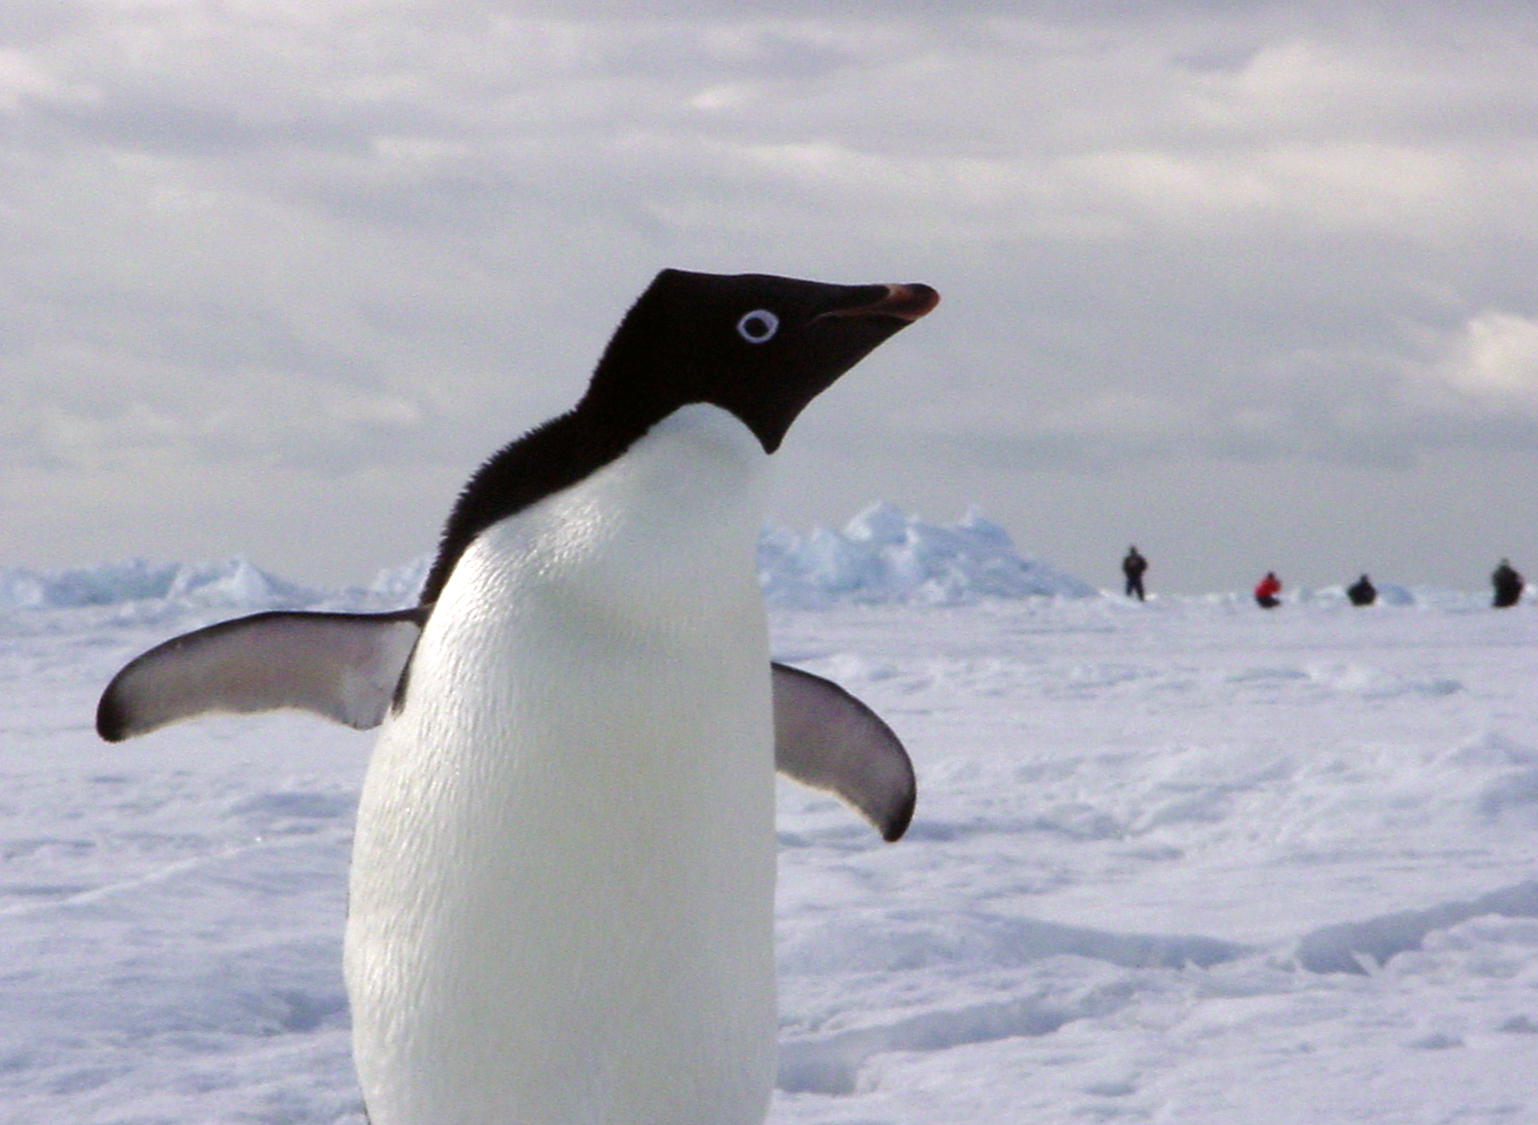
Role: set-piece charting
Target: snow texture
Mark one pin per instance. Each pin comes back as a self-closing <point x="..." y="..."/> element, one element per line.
<point x="1175" y="861"/>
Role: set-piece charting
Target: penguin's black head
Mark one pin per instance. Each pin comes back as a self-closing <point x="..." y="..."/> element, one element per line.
<point x="761" y="347"/>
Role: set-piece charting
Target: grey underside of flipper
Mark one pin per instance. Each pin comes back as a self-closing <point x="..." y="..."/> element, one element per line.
<point x="343" y="666"/>
<point x="346" y="667"/>
<point x="827" y="739"/>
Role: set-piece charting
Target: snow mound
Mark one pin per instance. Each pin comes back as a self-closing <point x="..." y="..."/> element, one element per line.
<point x="398" y="586"/>
<point x="233" y="583"/>
<point x="884" y="555"/>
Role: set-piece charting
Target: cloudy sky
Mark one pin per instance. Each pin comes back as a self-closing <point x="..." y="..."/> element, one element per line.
<point x="1254" y="286"/>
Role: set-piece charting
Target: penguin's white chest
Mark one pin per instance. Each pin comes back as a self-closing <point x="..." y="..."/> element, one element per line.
<point x="561" y="898"/>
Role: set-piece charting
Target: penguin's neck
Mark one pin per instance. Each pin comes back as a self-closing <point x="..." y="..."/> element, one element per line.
<point x="560" y="453"/>
<point x="663" y="530"/>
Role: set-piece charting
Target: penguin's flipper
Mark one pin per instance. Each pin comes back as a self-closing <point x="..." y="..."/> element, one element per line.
<point x="343" y="666"/>
<point x="827" y="739"/>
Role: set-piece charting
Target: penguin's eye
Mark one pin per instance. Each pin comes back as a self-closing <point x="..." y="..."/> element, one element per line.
<point x="758" y="326"/>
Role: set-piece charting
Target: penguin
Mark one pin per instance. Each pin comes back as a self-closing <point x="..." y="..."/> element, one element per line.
<point x="561" y="890"/>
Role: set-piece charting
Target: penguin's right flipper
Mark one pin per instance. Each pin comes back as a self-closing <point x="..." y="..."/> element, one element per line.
<point x="343" y="666"/>
<point x="827" y="739"/>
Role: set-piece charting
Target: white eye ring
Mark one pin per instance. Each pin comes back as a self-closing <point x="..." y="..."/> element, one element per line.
<point x="758" y="326"/>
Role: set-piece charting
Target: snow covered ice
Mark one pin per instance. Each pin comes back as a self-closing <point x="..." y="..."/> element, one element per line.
<point x="1182" y="861"/>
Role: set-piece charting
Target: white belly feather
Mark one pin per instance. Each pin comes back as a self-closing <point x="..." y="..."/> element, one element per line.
<point x="561" y="900"/>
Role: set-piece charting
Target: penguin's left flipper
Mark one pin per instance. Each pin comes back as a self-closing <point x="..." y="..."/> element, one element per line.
<point x="343" y="666"/>
<point x="827" y="739"/>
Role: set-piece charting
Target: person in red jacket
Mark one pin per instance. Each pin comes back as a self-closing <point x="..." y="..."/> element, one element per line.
<point x="1267" y="589"/>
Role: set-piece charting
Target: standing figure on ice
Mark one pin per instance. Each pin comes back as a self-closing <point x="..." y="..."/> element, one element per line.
<point x="1267" y="589"/>
<point x="1508" y="585"/>
<point x="1133" y="567"/>
<point x="561" y="901"/>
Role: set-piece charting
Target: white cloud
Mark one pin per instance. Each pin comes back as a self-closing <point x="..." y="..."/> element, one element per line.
<point x="1490" y="365"/>
<point x="24" y="78"/>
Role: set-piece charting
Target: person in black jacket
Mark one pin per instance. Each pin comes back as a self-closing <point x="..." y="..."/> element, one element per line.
<point x="1362" y="591"/>
<point x="1508" y="585"/>
<point x="1133" y="566"/>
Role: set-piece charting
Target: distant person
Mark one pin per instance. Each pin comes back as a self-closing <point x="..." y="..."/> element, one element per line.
<point x="1508" y="585"/>
<point x="1362" y="591"/>
<point x="1267" y="589"/>
<point x="1133" y="566"/>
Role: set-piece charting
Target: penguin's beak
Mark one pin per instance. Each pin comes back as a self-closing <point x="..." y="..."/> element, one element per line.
<point x="900" y="302"/>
